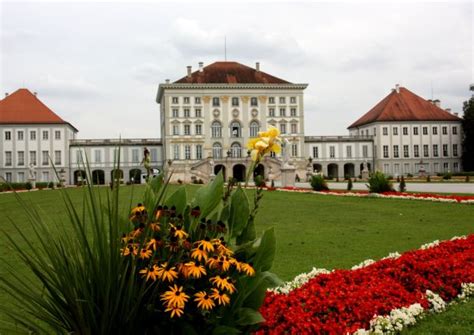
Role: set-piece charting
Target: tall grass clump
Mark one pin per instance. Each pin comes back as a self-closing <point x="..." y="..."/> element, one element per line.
<point x="318" y="183"/>
<point x="378" y="183"/>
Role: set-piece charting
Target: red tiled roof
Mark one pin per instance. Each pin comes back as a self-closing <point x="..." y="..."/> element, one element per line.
<point x="230" y="73"/>
<point x="23" y="107"/>
<point x="404" y="106"/>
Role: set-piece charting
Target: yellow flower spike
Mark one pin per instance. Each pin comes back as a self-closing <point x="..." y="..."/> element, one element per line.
<point x="204" y="301"/>
<point x="251" y="143"/>
<point x="175" y="297"/>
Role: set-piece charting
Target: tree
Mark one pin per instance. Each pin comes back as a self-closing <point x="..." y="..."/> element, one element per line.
<point x="468" y="135"/>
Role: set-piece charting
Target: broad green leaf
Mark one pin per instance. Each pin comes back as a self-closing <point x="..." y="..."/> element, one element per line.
<point x="225" y="212"/>
<point x="178" y="199"/>
<point x="266" y="251"/>
<point x="239" y="212"/>
<point x="225" y="330"/>
<point x="255" y="298"/>
<point x="209" y="196"/>
<point x="248" y="316"/>
<point x="248" y="234"/>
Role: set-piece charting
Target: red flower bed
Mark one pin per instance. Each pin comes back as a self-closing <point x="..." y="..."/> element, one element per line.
<point x="458" y="198"/>
<point x="345" y="300"/>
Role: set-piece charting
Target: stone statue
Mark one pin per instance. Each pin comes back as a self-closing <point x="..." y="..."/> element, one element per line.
<point x="284" y="151"/>
<point x="365" y="171"/>
<point x="31" y="172"/>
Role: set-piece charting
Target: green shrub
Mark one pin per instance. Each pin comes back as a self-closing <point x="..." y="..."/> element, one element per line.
<point x="28" y="186"/>
<point x="378" y="183"/>
<point x="428" y="179"/>
<point x="402" y="187"/>
<point x="409" y="175"/>
<point x="447" y="176"/>
<point x="259" y="181"/>
<point x="468" y="179"/>
<point x="349" y="184"/>
<point x="318" y="183"/>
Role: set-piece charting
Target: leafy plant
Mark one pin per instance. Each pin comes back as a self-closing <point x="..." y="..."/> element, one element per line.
<point x="447" y="176"/>
<point x="428" y="178"/>
<point x="402" y="187"/>
<point x="318" y="183"/>
<point x="378" y="183"/>
<point x="349" y="184"/>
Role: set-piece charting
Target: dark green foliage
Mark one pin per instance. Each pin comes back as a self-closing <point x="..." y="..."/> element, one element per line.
<point x="28" y="186"/>
<point x="349" y="184"/>
<point x="318" y="183"/>
<point x="428" y="179"/>
<point x="468" y="135"/>
<point x="402" y="187"/>
<point x="259" y="181"/>
<point x="378" y="183"/>
<point x="447" y="176"/>
<point x="468" y="179"/>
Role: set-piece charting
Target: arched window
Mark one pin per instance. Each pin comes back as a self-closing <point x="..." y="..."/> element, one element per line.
<point x="216" y="150"/>
<point x="216" y="129"/>
<point x="235" y="129"/>
<point x="254" y="129"/>
<point x="236" y="150"/>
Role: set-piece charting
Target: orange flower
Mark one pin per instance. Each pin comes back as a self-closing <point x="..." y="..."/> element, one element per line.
<point x="223" y="283"/>
<point x="167" y="273"/>
<point x="175" y="311"/>
<point x="194" y="270"/>
<point x="206" y="245"/>
<point x="199" y="254"/>
<point x="150" y="273"/>
<point x="145" y="253"/>
<point x="247" y="269"/>
<point x="175" y="297"/>
<point x="204" y="301"/>
<point x="221" y="298"/>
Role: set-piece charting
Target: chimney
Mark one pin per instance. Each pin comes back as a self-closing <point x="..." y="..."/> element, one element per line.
<point x="397" y="88"/>
<point x="456" y="114"/>
<point x="189" y="70"/>
<point x="257" y="66"/>
<point x="35" y="93"/>
<point x="167" y="81"/>
<point x="437" y="103"/>
<point x="448" y="110"/>
<point x="6" y="94"/>
<point x="201" y="64"/>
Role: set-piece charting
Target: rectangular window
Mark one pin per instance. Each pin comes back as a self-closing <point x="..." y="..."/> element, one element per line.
<point x="456" y="166"/>
<point x="375" y="131"/>
<point x="332" y="152"/>
<point x="186" y="112"/>
<point x="395" y="130"/>
<point x="395" y="151"/>
<point x="446" y="167"/>
<point x="45" y="157"/>
<point x="57" y="134"/>
<point x="294" y="150"/>
<point x="348" y="151"/>
<point x="445" y="130"/>
<point x="271" y="112"/>
<point x="293" y="111"/>
<point x="425" y="150"/>
<point x="416" y="150"/>
<point x="135" y="156"/>
<point x="21" y="158"/>
<point x="445" y="150"/>
<point x="175" y="129"/>
<point x="253" y="101"/>
<point x="175" y="112"/>
<point x="174" y="100"/>
<point x="198" y="151"/>
<point x="425" y="130"/>
<point x="57" y="157"/>
<point x="186" y="100"/>
<point x="8" y="158"/>
<point x="415" y="130"/>
<point x="187" y="152"/>
<point x="435" y="130"/>
<point x="198" y="129"/>
<point x="282" y="100"/>
<point x="455" y="130"/>
<point x="20" y="135"/>
<point x="435" y="150"/>
<point x="79" y="157"/>
<point x="197" y="112"/>
<point x="283" y="128"/>
<point x="216" y="102"/>
<point x="235" y="101"/>
<point x="315" y="152"/>
<point x="8" y="177"/>
<point x="282" y="112"/>
<point x="294" y="128"/>
<point x="365" y="151"/>
<point x="33" y="157"/>
<point x="455" y="150"/>
<point x="271" y="100"/>
<point x="293" y="100"/>
<point x="385" y="131"/>
<point x="154" y="154"/>
<point x="32" y="135"/>
<point x="187" y="129"/>
<point x="406" y="153"/>
<point x="176" y="151"/>
<point x="21" y="177"/>
<point x="8" y="136"/>
<point x="45" y="134"/>
<point x="405" y="130"/>
<point x="197" y="100"/>
<point x="45" y="176"/>
<point x="97" y="156"/>
<point x="385" y="151"/>
<point x="406" y="168"/>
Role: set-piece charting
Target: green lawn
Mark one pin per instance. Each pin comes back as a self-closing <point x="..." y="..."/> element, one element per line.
<point x="314" y="231"/>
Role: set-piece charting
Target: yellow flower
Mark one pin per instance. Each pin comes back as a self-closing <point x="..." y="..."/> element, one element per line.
<point x="150" y="273"/>
<point x="178" y="232"/>
<point x="223" y="283"/>
<point x="130" y="249"/>
<point x="204" y="301"/>
<point x="199" y="254"/>
<point x="223" y="250"/>
<point x="213" y="262"/>
<point x="266" y="142"/>
<point x="166" y="273"/>
<point x="206" y="245"/>
<point x="145" y="253"/>
<point x="196" y="271"/>
<point x="175" y="311"/>
<point x="247" y="268"/>
<point x="154" y="244"/>
<point x="221" y="298"/>
<point x="175" y="297"/>
<point x="155" y="226"/>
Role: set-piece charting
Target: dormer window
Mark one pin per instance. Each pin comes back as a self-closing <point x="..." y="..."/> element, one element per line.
<point x="216" y="102"/>
<point x="235" y="101"/>
<point x="253" y="101"/>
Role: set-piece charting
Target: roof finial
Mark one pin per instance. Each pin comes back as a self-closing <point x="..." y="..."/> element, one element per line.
<point x="397" y="88"/>
<point x="225" y="48"/>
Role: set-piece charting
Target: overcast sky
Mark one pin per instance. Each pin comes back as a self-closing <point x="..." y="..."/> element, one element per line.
<point x="98" y="65"/>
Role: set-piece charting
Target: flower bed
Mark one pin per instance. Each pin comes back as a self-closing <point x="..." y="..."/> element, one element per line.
<point x="463" y="199"/>
<point x="384" y="295"/>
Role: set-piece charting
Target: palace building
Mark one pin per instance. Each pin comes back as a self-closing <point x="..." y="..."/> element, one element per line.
<point x="208" y="116"/>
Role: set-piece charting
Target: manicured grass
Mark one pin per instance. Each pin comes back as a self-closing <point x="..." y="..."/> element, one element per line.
<point x="312" y="231"/>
